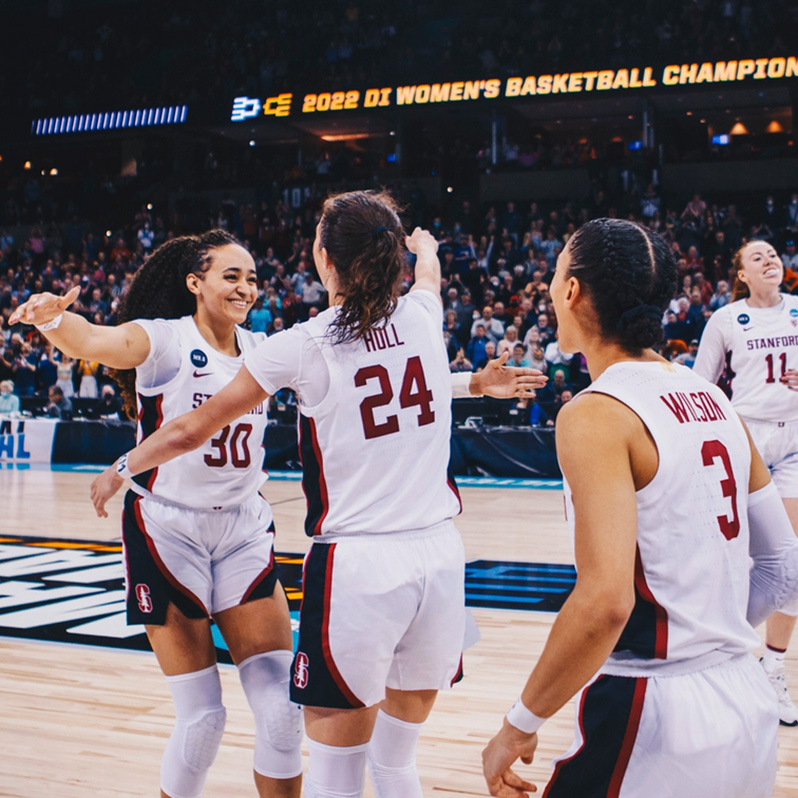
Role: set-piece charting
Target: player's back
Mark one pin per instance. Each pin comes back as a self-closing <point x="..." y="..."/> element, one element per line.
<point x="691" y="570"/>
<point x="375" y="451"/>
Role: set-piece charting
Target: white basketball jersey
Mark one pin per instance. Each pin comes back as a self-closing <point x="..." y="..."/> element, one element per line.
<point x="375" y="450"/>
<point x="756" y="346"/>
<point x="228" y="469"/>
<point x="691" y="568"/>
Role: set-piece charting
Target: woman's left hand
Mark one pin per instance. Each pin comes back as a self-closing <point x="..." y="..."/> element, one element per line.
<point x="103" y="488"/>
<point x="790" y="379"/>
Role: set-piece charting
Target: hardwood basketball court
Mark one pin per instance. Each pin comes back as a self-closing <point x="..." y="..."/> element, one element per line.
<point x="80" y="720"/>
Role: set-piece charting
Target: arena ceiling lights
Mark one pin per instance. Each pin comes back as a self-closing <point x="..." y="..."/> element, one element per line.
<point x="110" y="120"/>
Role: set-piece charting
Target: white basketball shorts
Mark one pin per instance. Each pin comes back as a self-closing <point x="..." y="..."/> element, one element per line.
<point x="705" y="734"/>
<point x="380" y="610"/>
<point x="203" y="561"/>
<point x="777" y="442"/>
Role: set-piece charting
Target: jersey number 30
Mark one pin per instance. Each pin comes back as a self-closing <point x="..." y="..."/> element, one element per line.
<point x="711" y="451"/>
<point x="414" y="391"/>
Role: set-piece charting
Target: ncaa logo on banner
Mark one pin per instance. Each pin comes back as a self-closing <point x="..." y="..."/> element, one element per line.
<point x="301" y="670"/>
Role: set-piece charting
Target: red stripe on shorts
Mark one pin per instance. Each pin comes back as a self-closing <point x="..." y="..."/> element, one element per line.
<point x="159" y="562"/>
<point x="628" y="739"/>
<point x="325" y="634"/>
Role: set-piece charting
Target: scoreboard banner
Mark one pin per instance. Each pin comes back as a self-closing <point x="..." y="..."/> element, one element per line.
<point x="295" y="105"/>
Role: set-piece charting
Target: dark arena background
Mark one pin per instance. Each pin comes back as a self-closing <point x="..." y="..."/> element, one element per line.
<point x="500" y="127"/>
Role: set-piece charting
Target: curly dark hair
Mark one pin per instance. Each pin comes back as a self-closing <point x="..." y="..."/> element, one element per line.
<point x="365" y="241"/>
<point x="630" y="274"/>
<point x="159" y="291"/>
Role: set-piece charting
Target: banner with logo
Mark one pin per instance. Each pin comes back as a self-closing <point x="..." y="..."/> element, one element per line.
<point x="26" y="440"/>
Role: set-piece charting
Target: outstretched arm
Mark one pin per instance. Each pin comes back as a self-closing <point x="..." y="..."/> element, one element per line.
<point x="501" y="381"/>
<point x="593" y="446"/>
<point x="181" y="435"/>
<point x="428" y="268"/>
<point x="772" y="545"/>
<point x="122" y="347"/>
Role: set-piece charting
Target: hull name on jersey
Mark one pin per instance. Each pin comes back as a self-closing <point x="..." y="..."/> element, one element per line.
<point x="772" y="343"/>
<point x="199" y="398"/>
<point x="695" y="406"/>
<point x="382" y="338"/>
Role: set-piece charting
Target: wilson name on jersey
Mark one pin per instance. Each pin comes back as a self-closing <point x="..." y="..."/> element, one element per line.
<point x="691" y="564"/>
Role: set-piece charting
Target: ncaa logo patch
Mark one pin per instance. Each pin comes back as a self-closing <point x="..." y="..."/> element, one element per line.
<point x="793" y="312"/>
<point x="743" y="318"/>
<point x="301" y="670"/>
<point x="198" y="358"/>
<point x="143" y="598"/>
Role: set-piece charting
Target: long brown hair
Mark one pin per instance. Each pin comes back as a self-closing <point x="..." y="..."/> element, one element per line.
<point x="159" y="291"/>
<point x="364" y="239"/>
<point x="740" y="289"/>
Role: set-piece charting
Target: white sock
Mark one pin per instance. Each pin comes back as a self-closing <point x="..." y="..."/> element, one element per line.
<point x="773" y="660"/>
<point x="392" y="757"/>
<point x="335" y="771"/>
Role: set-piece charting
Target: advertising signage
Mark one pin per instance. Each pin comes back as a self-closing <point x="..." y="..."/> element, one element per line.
<point x="290" y="104"/>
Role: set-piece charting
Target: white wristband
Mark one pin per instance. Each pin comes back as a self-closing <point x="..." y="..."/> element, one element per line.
<point x="53" y="324"/>
<point x="461" y="385"/>
<point x="122" y="467"/>
<point x="524" y="719"/>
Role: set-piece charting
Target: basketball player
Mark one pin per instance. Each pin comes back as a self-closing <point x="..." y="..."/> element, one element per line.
<point x="666" y="498"/>
<point x="197" y="534"/>
<point x="382" y="619"/>
<point x="755" y="340"/>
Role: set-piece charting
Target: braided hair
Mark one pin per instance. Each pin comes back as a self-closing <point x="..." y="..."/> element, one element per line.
<point x="364" y="239"/>
<point x="630" y="275"/>
<point x="159" y="291"/>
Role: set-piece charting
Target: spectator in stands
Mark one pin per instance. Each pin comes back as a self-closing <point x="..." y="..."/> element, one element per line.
<point x="688" y="358"/>
<point x="460" y="362"/>
<point x="9" y="401"/>
<point x="87" y="372"/>
<point x="24" y="369"/>
<point x="490" y="354"/>
<point x="59" y="406"/>
<point x="649" y="203"/>
<point x="494" y="329"/>
<point x="721" y="297"/>
<point x="519" y="358"/>
<point x="110" y="404"/>
<point x="790" y="257"/>
<point x="565" y="396"/>
<point x="313" y="296"/>
<point x="791" y="215"/>
<point x="259" y="317"/>
<point x="509" y="341"/>
<point x="46" y="370"/>
<point x="475" y="351"/>
<point x="555" y="357"/>
<point x="65" y="381"/>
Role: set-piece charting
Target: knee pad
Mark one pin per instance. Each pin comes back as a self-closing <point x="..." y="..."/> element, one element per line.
<point x="195" y="739"/>
<point x="278" y="721"/>
<point x="790" y="608"/>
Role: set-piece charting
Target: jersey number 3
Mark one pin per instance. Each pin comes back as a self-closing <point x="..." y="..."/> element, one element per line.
<point x="711" y="451"/>
<point x="414" y="391"/>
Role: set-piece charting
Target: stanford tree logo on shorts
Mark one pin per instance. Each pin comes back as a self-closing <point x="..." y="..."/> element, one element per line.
<point x="143" y="598"/>
<point x="301" y="670"/>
